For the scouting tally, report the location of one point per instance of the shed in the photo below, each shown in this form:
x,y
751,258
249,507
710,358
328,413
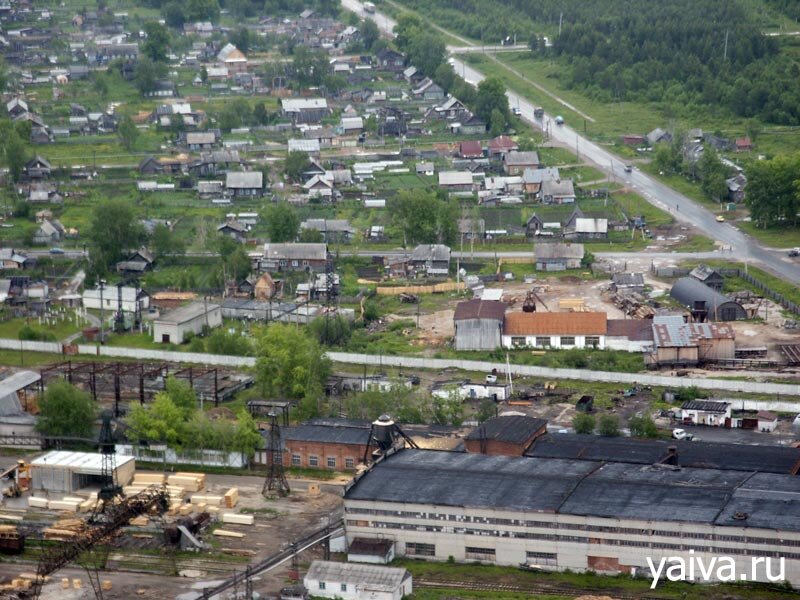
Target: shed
x,y
479,324
508,435
556,256
706,412
711,277
627,283
705,302
680,343
66,472
174,326
353,581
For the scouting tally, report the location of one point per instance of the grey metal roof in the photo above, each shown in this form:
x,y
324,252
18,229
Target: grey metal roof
x,y
480,309
293,251
514,158
539,175
703,272
688,290
325,225
557,187
671,331
244,179
476,480
367,577
628,279
558,250
435,252
9,404
187,313
513,429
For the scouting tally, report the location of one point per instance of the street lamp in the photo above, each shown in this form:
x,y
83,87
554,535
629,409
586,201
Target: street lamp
x,y
102,285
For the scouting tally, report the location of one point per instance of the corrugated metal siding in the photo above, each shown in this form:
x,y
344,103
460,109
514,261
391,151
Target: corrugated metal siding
x,y
478,334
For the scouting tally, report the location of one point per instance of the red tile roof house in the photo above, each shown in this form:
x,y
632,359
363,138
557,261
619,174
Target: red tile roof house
x,y
470,149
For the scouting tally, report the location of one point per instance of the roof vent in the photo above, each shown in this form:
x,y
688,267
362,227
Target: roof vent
x,y
740,516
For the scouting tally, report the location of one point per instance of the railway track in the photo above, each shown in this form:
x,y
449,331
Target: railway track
x,y
549,589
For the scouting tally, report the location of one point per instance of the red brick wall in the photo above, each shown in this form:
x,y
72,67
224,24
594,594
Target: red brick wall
x,y
322,451
497,448
604,564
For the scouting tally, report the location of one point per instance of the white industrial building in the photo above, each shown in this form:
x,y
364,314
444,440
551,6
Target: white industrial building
x,y
174,326
559,513
133,299
66,472
348,581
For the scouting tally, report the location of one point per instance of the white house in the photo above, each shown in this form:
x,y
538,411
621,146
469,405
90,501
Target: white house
x,y
555,330
351,581
173,327
706,412
131,297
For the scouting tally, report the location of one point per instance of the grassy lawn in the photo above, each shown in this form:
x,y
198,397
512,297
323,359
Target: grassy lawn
x,y
553,157
59,328
775,237
582,582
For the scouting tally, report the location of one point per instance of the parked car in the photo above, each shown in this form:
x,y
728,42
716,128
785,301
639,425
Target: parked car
x,y
794,252
628,168
56,251
491,378
720,219
559,120
516,111
681,434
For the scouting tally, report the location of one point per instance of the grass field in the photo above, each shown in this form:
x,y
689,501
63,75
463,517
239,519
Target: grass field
x,y
775,237
59,328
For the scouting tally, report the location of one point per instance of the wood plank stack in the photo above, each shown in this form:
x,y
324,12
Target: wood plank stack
x,y
226,533
65,529
209,500
37,502
65,505
148,479
140,521
237,518
191,482
231,497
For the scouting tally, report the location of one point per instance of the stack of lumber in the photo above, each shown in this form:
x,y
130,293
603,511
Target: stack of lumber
x,y
207,500
148,479
18,584
8,529
69,505
140,521
65,529
237,518
191,482
226,533
37,502
231,497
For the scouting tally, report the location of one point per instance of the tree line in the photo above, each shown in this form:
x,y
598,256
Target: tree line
x,y
686,52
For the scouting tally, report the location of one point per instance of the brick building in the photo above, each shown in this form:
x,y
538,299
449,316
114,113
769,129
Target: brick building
x,y
509,435
326,444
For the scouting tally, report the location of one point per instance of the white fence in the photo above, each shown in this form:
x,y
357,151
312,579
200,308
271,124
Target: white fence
x,y
406,362
168,456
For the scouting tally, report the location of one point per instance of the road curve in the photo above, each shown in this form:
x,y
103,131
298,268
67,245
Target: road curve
x,y
743,247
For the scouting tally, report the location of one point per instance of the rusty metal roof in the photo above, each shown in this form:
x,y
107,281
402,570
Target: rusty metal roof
x,y
672,331
480,309
567,323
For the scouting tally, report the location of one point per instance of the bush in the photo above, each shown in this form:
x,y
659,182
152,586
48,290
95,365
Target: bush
x,y
608,426
31,334
643,427
583,423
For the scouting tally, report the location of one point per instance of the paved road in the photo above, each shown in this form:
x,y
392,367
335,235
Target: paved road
x,y
744,247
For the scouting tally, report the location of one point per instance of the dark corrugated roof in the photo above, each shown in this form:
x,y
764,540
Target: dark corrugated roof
x,y
636,330
512,429
326,434
480,309
744,457
706,405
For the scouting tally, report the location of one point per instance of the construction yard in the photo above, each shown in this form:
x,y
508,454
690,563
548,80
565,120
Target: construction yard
x,y
227,521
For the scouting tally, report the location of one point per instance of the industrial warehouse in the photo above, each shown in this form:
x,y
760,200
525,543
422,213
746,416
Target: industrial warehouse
x,y
561,513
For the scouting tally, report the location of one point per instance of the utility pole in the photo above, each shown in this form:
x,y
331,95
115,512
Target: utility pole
x,y
725,52
102,285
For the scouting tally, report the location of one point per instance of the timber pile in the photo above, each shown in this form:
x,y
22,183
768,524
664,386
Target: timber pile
x,y
65,529
65,505
36,502
237,519
148,479
226,533
208,500
191,482
231,497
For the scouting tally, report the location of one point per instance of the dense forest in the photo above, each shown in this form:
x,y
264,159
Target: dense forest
x,y
687,52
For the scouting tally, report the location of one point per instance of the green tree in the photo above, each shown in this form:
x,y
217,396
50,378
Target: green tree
x,y
127,132
261,115
156,46
446,411
331,330
173,14
491,96
202,10
309,67
608,426
642,427
282,223
583,423
497,122
414,212
222,341
146,74
310,236
445,76
407,27
113,231
64,410
100,84
166,245
486,411
427,51
588,259
772,192
234,263
15,151
295,165
182,395
369,33
291,364
246,438
241,38
160,421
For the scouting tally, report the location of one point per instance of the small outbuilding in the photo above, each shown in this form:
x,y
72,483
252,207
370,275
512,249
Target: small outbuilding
x,y
507,435
61,471
711,277
352,581
479,324
175,326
